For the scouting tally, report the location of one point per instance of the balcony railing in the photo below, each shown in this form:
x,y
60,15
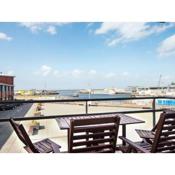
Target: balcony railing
x,y
153,110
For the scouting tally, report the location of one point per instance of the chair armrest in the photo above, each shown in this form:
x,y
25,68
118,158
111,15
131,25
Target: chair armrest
x,y
56,148
134,145
145,134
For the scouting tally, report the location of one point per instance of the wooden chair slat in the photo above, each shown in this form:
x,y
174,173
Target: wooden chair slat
x,y
167,133
170,122
97,121
145,145
170,127
145,134
39,148
166,143
169,151
94,128
92,148
166,148
99,134
105,151
95,141
167,138
45,146
170,115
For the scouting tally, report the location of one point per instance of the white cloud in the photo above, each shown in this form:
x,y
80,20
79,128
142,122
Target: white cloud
x,y
10,72
127,32
90,24
167,47
36,27
56,72
92,72
80,74
45,70
110,75
52,30
76,73
125,74
4,36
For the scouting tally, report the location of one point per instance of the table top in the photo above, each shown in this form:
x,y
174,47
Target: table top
x,y
64,122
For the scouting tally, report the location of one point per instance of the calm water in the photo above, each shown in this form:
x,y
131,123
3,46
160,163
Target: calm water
x,y
71,93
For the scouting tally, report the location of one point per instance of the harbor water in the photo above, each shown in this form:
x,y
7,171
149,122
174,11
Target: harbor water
x,y
76,95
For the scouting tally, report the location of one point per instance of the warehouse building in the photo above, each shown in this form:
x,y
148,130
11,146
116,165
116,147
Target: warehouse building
x,y
6,87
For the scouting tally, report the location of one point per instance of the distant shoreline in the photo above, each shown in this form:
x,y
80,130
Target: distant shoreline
x,y
141,104
125,104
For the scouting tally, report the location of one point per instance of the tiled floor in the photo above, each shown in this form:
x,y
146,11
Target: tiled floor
x,y
51,129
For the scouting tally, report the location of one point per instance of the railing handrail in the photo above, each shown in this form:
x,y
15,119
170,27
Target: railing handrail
x,y
87,99
75,115
153,110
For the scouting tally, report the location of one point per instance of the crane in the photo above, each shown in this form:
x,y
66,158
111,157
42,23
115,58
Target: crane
x,y
159,82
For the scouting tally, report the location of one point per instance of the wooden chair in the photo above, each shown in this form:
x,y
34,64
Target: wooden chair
x,y
93,135
163,141
43,146
148,135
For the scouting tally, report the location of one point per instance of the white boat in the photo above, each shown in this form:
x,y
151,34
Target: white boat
x,y
84,91
75,95
170,93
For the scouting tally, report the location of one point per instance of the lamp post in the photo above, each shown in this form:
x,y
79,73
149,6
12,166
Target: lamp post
x,y
89,84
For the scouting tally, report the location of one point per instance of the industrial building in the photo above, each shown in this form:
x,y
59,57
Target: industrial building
x,y
6,87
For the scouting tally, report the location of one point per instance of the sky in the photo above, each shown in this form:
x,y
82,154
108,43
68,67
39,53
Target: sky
x,y
87,55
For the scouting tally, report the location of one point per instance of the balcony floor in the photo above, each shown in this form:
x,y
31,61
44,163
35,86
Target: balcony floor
x,y
51,130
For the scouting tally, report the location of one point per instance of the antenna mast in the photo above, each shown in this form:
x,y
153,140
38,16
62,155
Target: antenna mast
x,y
160,78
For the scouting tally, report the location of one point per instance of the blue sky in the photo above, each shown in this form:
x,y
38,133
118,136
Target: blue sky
x,y
83,55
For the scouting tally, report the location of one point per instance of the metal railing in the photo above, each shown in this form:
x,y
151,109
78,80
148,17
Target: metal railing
x,y
153,110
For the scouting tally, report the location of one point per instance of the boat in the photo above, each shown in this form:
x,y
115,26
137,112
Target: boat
x,y
75,95
84,91
170,93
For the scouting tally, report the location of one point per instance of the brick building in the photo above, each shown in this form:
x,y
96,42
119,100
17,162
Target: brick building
x,y
6,87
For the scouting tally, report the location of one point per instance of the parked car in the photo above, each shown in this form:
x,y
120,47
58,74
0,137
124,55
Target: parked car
x,y
9,106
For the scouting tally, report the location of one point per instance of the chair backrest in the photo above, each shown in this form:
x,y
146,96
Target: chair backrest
x,y
93,135
164,111
165,134
23,136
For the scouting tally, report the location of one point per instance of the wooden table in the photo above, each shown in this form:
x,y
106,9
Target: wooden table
x,y
64,122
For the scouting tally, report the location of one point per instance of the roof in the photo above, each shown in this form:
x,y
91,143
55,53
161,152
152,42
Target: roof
x,y
4,84
2,75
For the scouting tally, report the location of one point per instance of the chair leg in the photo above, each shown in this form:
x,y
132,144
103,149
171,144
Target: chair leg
x,y
87,133
129,150
68,138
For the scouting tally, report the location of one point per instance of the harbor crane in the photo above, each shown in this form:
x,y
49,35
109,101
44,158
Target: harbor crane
x,y
159,82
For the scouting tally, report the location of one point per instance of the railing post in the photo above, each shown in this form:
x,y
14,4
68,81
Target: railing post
x,y
86,107
154,112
